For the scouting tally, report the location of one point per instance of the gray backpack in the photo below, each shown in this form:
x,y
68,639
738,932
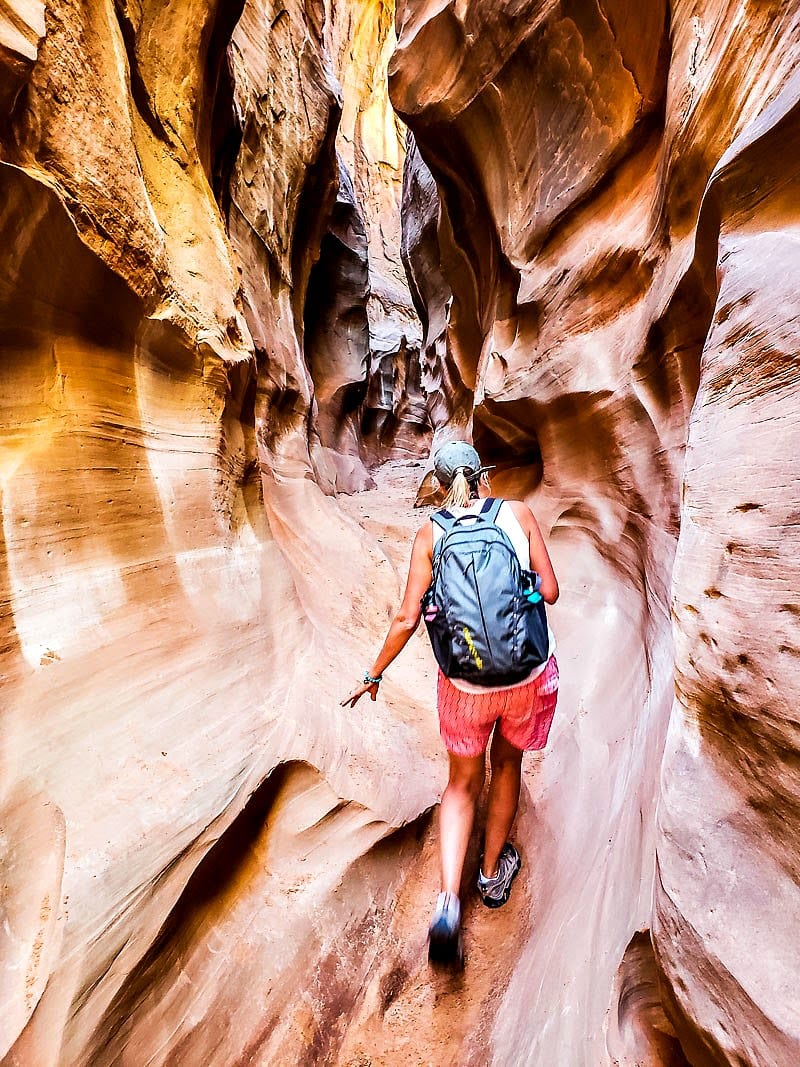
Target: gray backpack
x,y
484,613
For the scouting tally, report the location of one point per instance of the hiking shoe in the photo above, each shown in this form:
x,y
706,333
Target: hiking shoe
x,y
444,936
495,891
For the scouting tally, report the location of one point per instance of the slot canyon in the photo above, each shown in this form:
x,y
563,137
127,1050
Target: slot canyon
x,y
258,260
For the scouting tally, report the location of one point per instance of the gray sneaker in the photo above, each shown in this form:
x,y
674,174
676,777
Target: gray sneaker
x,y
495,891
444,936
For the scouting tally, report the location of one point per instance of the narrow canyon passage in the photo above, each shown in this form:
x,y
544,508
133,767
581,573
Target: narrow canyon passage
x,y
586,823
407,1013
257,262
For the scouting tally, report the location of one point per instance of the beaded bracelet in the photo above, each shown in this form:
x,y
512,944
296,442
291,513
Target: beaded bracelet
x,y
369,680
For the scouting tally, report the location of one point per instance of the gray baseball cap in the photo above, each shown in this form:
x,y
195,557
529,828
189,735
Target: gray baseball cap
x,y
454,456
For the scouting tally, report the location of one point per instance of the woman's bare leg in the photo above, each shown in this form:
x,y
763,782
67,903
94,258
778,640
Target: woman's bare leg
x,y
456,816
506,765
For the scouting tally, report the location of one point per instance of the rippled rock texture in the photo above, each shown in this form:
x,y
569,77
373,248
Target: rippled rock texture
x,y
175,587
617,180
205,332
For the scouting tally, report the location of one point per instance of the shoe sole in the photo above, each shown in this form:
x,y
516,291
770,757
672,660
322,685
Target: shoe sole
x,y
446,951
490,902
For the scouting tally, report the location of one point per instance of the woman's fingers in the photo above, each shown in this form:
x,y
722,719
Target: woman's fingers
x,y
354,697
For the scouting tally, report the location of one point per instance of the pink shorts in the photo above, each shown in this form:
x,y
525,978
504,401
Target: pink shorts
x,y
524,714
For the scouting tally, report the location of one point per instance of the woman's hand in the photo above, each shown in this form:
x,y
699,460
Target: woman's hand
x,y
356,695
407,618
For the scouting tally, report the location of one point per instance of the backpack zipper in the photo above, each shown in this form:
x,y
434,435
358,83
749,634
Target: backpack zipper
x,y
480,607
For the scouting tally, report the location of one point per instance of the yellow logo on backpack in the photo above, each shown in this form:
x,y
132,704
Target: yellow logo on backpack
x,y
472,649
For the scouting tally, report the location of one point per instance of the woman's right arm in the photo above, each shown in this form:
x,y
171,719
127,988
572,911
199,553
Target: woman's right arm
x,y
408,614
540,557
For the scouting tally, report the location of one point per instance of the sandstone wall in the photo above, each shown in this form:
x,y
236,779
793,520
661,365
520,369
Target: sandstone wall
x,y
599,234
371,144
171,575
616,233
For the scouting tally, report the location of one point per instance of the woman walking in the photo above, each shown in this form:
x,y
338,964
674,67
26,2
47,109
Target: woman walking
x,y
518,714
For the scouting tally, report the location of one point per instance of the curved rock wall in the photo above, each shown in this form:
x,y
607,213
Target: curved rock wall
x,y
611,178
431,256
337,335
599,236
371,142
727,907
175,607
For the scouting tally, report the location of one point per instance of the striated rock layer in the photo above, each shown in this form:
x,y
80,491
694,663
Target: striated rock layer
x,y
616,237
206,332
175,611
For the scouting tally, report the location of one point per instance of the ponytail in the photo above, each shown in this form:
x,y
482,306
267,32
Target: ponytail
x,y
460,493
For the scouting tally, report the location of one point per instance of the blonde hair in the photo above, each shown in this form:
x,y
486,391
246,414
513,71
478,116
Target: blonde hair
x,y
461,492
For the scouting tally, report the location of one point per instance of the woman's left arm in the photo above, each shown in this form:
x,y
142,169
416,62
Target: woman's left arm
x,y
540,557
407,618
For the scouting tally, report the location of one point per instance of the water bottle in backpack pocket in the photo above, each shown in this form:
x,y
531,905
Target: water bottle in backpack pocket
x,y
485,616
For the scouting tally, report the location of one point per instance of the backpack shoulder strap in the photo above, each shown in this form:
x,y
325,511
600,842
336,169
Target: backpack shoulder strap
x,y
491,508
444,519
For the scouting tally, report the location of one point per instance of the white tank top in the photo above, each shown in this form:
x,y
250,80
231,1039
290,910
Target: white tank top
x,y
510,524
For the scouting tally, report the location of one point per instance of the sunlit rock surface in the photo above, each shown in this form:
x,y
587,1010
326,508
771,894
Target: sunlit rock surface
x,y
203,858
22,27
175,588
371,144
618,181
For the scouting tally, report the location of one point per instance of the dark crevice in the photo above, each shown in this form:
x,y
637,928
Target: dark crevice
x,y
504,433
314,211
288,411
139,92
466,214
338,289
420,204
220,128
640,1030
225,140
57,284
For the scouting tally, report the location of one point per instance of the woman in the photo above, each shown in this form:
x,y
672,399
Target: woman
x,y
468,714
